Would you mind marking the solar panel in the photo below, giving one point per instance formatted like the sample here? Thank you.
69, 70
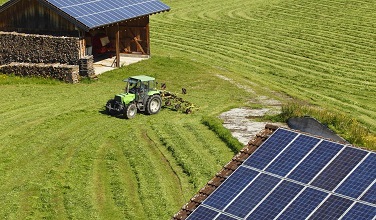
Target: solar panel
96, 13
297, 176
360, 212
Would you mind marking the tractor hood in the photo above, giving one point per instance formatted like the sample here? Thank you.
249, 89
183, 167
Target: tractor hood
125, 98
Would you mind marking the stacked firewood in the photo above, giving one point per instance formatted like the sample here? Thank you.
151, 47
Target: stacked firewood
63, 72
31, 48
87, 66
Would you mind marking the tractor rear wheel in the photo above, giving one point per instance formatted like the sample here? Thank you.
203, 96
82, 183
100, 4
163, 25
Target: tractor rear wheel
153, 105
130, 111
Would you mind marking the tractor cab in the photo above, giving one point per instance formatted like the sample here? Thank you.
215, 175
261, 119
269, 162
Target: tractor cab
140, 85
140, 95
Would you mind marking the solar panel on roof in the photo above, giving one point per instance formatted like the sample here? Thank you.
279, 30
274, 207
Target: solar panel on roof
296, 176
96, 13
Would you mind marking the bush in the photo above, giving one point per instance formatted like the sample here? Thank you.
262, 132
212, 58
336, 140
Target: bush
223, 133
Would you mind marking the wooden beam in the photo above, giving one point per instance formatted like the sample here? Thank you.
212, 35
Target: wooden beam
118, 47
147, 39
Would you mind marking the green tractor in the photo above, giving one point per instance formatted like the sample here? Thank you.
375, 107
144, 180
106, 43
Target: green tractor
140, 95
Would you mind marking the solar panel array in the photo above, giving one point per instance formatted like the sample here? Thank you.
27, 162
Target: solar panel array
296, 176
96, 13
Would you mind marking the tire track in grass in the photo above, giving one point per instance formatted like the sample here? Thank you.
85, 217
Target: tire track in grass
110, 196
181, 148
150, 179
169, 167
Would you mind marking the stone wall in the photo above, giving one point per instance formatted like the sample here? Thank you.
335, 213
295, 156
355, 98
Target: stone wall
67, 73
31, 48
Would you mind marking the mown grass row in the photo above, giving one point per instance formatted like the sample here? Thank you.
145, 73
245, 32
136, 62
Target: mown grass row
61, 157
325, 53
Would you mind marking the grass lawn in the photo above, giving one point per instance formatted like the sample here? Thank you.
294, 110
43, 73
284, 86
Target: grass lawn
61, 157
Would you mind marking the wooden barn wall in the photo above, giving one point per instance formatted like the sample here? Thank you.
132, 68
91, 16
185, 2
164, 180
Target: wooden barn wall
28, 16
130, 31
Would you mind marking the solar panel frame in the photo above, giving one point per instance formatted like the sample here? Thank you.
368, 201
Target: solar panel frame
332, 208
221, 197
335, 172
360, 178
315, 162
276, 201
370, 194
202, 212
303, 204
252, 195
359, 211
267, 155
292, 155
264, 196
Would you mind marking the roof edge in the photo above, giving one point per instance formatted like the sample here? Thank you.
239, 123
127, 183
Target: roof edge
8, 4
64, 15
141, 16
226, 171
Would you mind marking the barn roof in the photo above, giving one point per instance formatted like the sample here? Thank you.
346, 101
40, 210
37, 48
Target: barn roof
90, 14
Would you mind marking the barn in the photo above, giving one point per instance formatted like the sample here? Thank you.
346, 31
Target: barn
36, 33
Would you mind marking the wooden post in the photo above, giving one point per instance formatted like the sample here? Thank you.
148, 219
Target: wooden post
147, 38
118, 46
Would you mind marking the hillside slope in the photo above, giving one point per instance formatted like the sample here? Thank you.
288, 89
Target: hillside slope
62, 158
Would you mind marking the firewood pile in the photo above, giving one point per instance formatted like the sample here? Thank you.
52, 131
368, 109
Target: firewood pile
63, 72
86, 66
31, 48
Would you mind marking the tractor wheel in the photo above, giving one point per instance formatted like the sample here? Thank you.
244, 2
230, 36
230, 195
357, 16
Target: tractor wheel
153, 105
109, 106
130, 111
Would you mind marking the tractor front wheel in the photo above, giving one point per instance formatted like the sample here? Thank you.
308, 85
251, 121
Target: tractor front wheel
130, 111
153, 105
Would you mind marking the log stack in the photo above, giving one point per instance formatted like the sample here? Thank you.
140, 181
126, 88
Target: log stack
86, 65
63, 72
32, 48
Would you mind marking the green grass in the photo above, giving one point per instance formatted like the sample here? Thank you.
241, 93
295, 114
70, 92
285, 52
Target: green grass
62, 158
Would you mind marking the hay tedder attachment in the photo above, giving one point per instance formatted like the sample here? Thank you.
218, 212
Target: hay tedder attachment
174, 102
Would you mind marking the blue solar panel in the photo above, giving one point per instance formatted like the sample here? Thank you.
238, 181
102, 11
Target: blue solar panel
315, 161
283, 164
296, 176
332, 208
224, 217
202, 213
339, 168
270, 149
247, 200
277, 201
360, 179
103, 12
230, 188
370, 195
304, 204
360, 212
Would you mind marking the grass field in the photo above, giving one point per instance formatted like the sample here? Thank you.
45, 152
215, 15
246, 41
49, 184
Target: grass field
62, 158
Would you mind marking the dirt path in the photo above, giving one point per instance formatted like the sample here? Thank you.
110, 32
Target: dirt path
241, 121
